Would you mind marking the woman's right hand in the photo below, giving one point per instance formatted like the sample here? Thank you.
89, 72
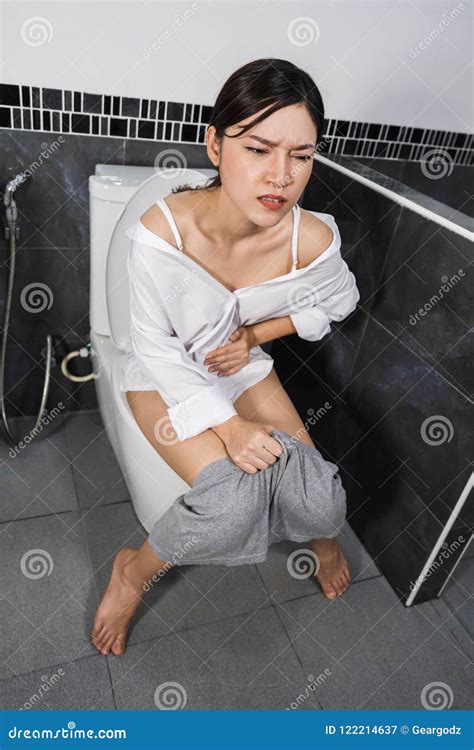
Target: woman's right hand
249, 444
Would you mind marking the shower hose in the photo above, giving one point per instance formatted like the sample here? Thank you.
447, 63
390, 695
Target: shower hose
12, 234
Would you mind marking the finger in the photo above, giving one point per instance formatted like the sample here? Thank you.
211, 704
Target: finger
259, 462
229, 372
248, 468
226, 364
221, 350
267, 456
253, 465
273, 446
222, 357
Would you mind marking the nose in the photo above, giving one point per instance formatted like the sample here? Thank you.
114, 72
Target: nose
279, 172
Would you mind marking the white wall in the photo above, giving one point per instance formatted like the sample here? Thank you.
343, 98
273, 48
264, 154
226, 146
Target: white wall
364, 56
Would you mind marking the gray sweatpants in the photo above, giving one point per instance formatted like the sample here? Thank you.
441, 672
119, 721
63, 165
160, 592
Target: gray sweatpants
230, 517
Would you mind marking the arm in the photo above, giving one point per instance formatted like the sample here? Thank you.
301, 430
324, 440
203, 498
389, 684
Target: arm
195, 397
265, 330
273, 328
336, 300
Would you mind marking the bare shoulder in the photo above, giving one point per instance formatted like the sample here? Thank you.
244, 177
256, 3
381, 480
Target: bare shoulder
155, 220
314, 237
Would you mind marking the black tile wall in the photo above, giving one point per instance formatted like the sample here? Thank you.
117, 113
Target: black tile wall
23, 108
397, 374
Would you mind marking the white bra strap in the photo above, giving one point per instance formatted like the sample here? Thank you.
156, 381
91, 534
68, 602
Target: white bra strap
166, 210
294, 241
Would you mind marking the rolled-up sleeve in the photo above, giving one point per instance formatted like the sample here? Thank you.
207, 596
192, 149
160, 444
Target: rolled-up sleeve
195, 401
336, 300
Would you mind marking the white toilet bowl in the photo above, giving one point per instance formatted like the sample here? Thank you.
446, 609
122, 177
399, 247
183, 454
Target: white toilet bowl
119, 195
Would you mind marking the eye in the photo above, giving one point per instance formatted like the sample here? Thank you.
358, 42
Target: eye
261, 151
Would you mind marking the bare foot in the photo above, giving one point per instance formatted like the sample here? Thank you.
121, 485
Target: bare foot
333, 575
117, 607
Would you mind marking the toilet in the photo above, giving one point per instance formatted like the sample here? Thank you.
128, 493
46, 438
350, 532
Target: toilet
119, 195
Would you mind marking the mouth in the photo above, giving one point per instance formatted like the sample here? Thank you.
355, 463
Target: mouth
272, 201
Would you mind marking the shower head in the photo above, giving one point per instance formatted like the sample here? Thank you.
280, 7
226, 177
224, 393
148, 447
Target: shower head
11, 186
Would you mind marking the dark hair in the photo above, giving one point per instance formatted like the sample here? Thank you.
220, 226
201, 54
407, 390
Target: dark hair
270, 84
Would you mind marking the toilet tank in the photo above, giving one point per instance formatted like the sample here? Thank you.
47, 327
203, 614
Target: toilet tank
119, 195
110, 189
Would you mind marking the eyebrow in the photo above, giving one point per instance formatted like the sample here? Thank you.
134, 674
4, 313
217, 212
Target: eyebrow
271, 143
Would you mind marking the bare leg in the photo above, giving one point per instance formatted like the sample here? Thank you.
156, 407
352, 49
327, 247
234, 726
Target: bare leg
132, 570
267, 401
334, 574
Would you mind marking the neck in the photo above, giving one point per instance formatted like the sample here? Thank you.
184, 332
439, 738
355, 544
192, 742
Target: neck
223, 223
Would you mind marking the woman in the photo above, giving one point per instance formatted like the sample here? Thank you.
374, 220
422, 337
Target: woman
224, 406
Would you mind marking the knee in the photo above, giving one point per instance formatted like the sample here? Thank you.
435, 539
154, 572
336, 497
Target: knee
311, 495
225, 521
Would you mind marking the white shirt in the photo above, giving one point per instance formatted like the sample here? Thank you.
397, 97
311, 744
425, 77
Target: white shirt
180, 312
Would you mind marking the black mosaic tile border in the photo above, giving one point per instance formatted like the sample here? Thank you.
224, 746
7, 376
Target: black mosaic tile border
80, 113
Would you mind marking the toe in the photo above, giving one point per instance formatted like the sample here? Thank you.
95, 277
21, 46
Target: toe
118, 646
103, 638
97, 627
103, 635
96, 642
329, 591
108, 643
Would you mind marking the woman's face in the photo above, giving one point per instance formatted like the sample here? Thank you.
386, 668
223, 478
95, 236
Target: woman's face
251, 167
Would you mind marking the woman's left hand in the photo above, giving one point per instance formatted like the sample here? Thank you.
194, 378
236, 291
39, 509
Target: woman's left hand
232, 357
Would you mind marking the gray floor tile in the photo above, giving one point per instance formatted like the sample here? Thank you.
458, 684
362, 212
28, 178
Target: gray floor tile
458, 594
81, 685
187, 595
37, 478
244, 662
97, 474
285, 586
381, 654
47, 597
470, 549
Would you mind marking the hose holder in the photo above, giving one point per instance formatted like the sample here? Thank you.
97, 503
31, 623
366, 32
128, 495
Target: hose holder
82, 352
